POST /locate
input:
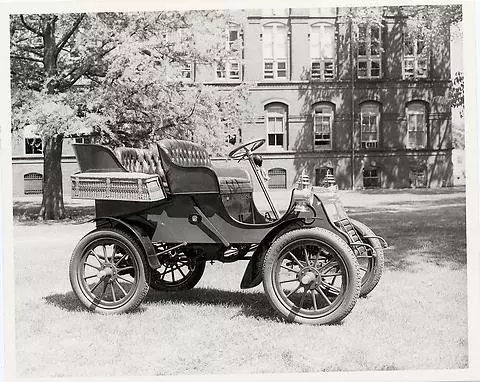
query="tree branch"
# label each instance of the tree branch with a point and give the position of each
(26, 58)
(29, 49)
(81, 70)
(69, 34)
(29, 27)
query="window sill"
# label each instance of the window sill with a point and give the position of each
(414, 79)
(227, 80)
(275, 149)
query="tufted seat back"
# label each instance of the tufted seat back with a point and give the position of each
(185, 153)
(188, 168)
(142, 160)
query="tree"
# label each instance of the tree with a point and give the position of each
(132, 64)
(149, 92)
(49, 55)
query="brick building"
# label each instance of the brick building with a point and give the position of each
(308, 108)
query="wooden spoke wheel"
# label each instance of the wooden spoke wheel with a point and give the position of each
(107, 272)
(311, 276)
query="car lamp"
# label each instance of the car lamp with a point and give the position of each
(303, 195)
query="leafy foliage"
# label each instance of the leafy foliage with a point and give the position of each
(134, 65)
(456, 92)
(127, 76)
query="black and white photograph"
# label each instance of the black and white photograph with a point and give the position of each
(213, 190)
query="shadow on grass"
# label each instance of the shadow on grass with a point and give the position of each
(251, 304)
(69, 302)
(407, 206)
(26, 213)
(415, 237)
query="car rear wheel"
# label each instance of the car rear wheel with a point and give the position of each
(107, 271)
(179, 273)
(311, 276)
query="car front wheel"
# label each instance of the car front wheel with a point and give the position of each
(311, 276)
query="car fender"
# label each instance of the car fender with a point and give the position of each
(138, 232)
(253, 273)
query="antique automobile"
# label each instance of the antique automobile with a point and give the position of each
(163, 212)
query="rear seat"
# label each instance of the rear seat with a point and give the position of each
(187, 168)
(142, 160)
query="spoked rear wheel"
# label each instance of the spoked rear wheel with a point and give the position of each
(371, 264)
(180, 272)
(107, 272)
(311, 276)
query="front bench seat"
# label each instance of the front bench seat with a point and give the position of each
(189, 170)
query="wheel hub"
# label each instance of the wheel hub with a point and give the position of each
(107, 272)
(309, 277)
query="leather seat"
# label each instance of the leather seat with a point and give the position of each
(188, 169)
(184, 167)
(142, 160)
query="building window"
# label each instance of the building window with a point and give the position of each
(322, 127)
(369, 122)
(322, 12)
(32, 183)
(180, 36)
(415, 57)
(275, 51)
(233, 35)
(33, 146)
(322, 174)
(418, 177)
(277, 178)
(229, 70)
(369, 51)
(322, 51)
(186, 71)
(32, 142)
(83, 140)
(371, 178)
(416, 125)
(276, 118)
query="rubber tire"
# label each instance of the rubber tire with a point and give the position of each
(136, 250)
(157, 284)
(351, 266)
(371, 281)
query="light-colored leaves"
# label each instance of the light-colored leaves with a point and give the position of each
(134, 66)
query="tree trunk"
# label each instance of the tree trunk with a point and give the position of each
(52, 201)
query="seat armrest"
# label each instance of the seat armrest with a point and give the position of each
(233, 172)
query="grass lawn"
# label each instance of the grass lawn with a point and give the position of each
(415, 319)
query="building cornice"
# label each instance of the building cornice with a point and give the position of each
(359, 154)
(342, 84)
